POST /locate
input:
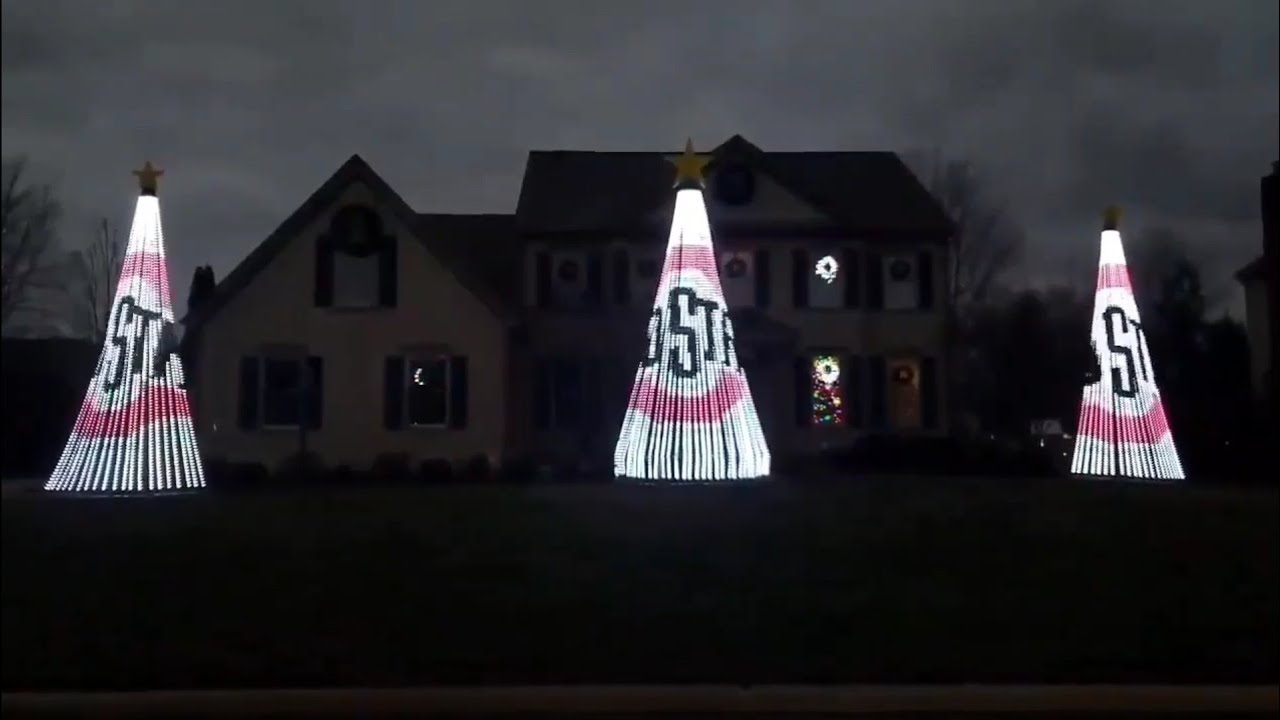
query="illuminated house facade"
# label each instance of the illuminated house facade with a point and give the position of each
(361, 328)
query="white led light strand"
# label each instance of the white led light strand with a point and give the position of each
(827, 268)
(690, 417)
(1123, 431)
(134, 432)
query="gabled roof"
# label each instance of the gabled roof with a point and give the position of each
(581, 191)
(482, 248)
(356, 171)
(1252, 271)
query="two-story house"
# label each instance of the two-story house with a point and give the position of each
(1261, 282)
(360, 327)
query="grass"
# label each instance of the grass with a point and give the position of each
(894, 580)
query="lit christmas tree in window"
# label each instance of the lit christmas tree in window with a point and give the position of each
(134, 432)
(691, 417)
(828, 406)
(1122, 431)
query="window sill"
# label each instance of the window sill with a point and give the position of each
(427, 428)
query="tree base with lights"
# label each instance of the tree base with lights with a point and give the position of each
(134, 432)
(690, 418)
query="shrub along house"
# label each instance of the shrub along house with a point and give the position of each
(361, 328)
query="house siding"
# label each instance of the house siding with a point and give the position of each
(618, 332)
(277, 308)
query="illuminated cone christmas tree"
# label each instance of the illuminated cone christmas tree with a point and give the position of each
(691, 417)
(134, 432)
(1122, 431)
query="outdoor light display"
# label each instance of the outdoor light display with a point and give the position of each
(827, 405)
(690, 417)
(134, 432)
(827, 268)
(1122, 430)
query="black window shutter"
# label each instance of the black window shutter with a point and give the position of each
(593, 394)
(393, 393)
(568, 397)
(324, 271)
(542, 279)
(929, 393)
(250, 393)
(800, 278)
(877, 387)
(459, 392)
(855, 391)
(924, 270)
(852, 280)
(763, 277)
(621, 278)
(542, 394)
(315, 392)
(594, 293)
(388, 274)
(804, 391)
(875, 280)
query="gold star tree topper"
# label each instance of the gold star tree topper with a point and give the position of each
(148, 178)
(689, 166)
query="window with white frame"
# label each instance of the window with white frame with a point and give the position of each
(356, 280)
(427, 390)
(826, 278)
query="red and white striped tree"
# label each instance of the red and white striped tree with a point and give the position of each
(1123, 431)
(690, 417)
(134, 432)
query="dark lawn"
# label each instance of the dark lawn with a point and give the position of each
(898, 580)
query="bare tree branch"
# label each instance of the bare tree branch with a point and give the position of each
(91, 283)
(987, 242)
(29, 215)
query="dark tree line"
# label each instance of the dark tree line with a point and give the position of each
(1025, 355)
(47, 285)
(29, 213)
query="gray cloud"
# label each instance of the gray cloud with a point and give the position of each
(1166, 106)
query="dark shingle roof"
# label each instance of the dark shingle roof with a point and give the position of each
(356, 170)
(1252, 271)
(481, 247)
(570, 191)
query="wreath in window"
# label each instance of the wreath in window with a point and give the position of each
(827, 268)
(736, 267)
(357, 231)
(904, 374)
(899, 270)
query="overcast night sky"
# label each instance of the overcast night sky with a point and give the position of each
(1167, 107)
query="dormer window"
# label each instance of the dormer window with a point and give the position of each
(356, 262)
